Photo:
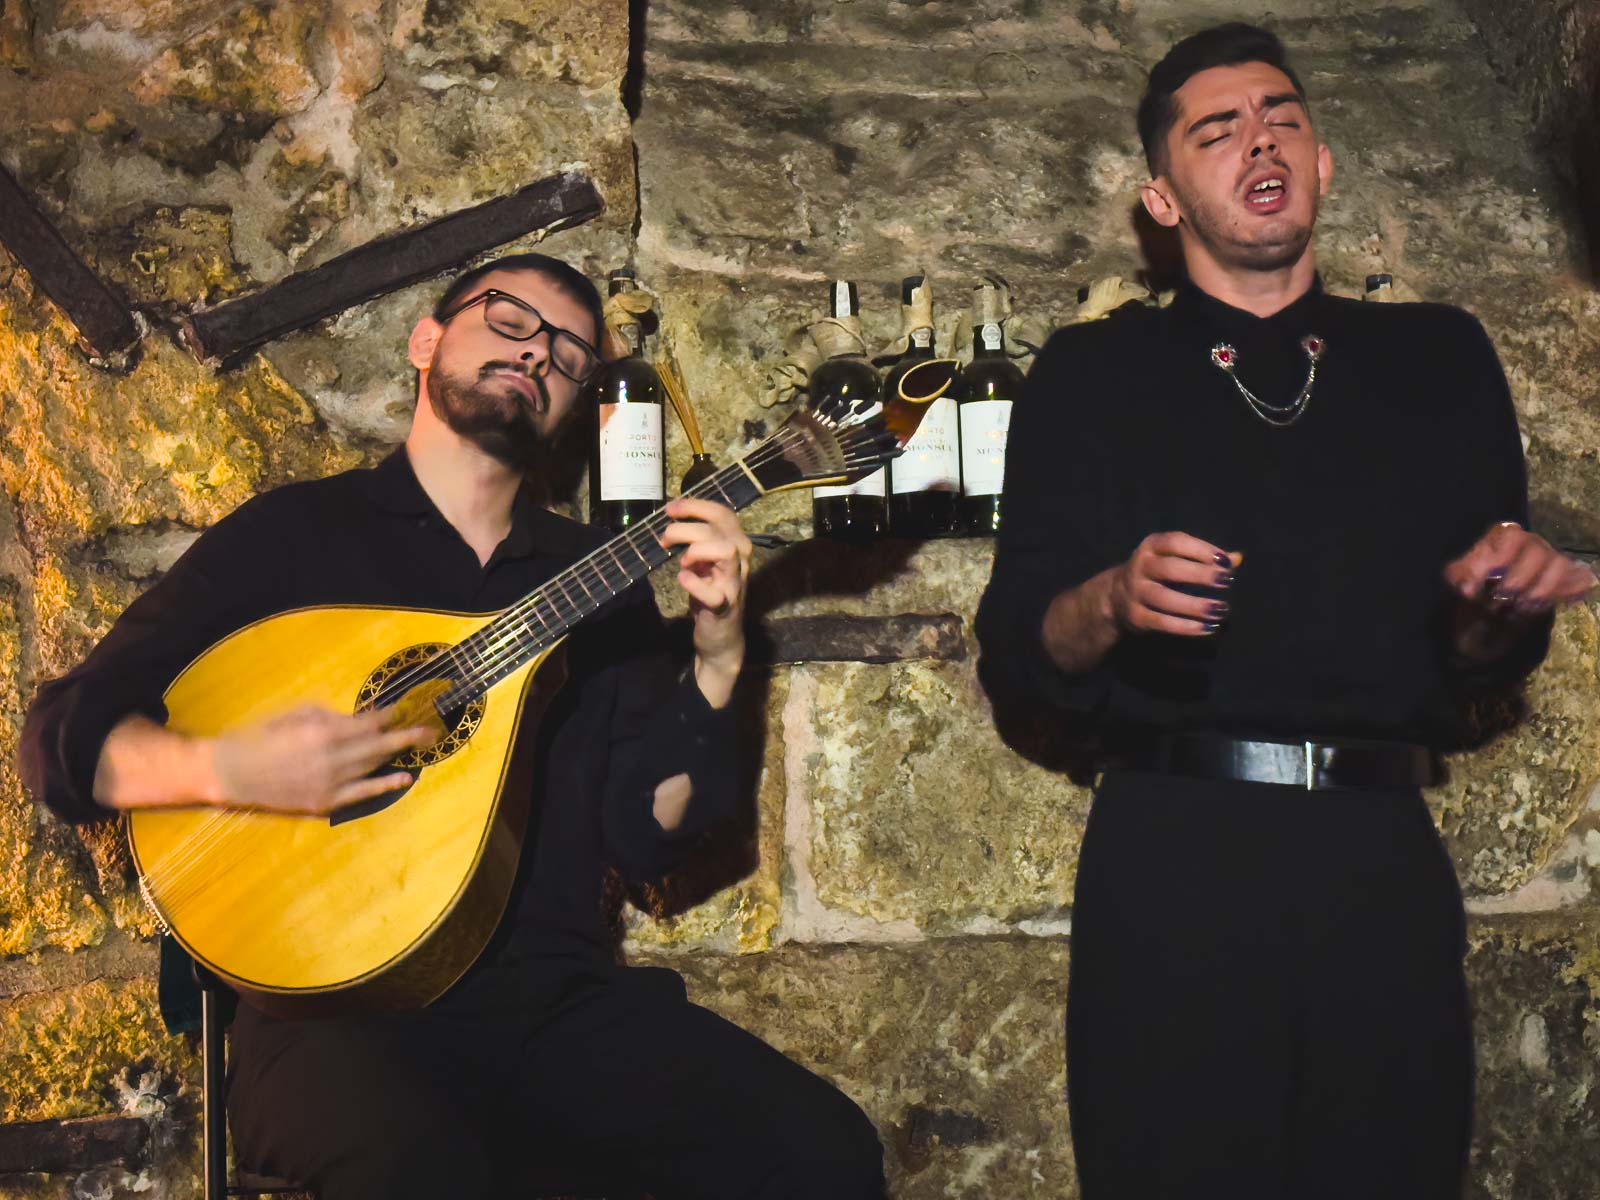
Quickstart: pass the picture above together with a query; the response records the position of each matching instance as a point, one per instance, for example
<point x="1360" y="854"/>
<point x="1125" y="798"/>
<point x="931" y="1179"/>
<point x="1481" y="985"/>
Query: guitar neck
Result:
<point x="547" y="614"/>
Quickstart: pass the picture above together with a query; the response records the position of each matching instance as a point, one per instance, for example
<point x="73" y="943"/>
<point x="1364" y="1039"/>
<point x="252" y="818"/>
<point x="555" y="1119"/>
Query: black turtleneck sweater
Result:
<point x="1407" y="453"/>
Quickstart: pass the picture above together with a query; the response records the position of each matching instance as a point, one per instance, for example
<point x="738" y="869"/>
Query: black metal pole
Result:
<point x="102" y="318"/>
<point x="224" y="333"/>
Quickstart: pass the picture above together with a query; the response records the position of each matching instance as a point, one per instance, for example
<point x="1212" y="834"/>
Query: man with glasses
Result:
<point x="546" y="1050"/>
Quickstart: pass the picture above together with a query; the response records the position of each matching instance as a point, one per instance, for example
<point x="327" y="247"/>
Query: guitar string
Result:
<point x="201" y="845"/>
<point x="505" y="643"/>
<point x="204" y="842"/>
<point x="455" y="656"/>
<point x="487" y="669"/>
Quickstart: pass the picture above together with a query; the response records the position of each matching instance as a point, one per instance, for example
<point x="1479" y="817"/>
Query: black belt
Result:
<point x="1311" y="765"/>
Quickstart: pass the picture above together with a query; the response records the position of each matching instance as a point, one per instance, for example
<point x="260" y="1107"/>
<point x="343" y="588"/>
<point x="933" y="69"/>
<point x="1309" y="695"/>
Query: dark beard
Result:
<point x="1253" y="256"/>
<point x="493" y="418"/>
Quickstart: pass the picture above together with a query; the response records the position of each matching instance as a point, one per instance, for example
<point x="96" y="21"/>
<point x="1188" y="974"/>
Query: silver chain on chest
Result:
<point x="1226" y="359"/>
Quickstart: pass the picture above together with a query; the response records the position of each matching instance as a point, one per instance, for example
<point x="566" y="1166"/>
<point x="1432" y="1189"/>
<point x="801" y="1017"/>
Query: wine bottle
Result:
<point x="989" y="386"/>
<point x="1380" y="288"/>
<point x="854" y="511"/>
<point x="925" y="481"/>
<point x="627" y="456"/>
<point x="701" y="468"/>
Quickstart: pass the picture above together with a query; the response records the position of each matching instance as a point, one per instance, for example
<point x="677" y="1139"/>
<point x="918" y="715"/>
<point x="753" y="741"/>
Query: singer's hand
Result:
<point x="1143" y="599"/>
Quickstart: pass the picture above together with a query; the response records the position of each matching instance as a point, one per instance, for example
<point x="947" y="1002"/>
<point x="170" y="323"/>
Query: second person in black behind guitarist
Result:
<point x="546" y="1049"/>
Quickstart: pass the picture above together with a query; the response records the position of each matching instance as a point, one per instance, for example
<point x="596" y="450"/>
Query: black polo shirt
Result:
<point x="627" y="717"/>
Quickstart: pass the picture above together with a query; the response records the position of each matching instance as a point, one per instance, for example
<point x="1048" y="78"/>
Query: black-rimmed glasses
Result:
<point x="520" y="321"/>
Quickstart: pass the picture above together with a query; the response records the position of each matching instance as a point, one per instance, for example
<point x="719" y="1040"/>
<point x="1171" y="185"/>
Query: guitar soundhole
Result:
<point x="460" y="725"/>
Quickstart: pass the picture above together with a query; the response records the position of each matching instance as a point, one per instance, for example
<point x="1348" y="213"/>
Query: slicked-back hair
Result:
<point x="565" y="277"/>
<point x="1220" y="46"/>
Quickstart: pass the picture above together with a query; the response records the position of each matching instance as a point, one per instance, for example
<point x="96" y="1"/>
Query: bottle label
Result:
<point x="932" y="458"/>
<point x="984" y="424"/>
<point x="631" y="460"/>
<point x="991" y="336"/>
<point x="873" y="485"/>
<point x="922" y="338"/>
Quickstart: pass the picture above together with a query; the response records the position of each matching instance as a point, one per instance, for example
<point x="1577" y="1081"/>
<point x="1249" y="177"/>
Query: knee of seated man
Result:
<point x="829" y="1138"/>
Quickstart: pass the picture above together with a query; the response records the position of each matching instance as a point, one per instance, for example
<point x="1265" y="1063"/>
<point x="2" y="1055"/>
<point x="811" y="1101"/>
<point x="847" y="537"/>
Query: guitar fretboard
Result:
<point x="545" y="615"/>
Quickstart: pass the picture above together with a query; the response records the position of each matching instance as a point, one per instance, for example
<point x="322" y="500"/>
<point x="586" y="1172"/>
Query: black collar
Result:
<point x="392" y="486"/>
<point x="1194" y="304"/>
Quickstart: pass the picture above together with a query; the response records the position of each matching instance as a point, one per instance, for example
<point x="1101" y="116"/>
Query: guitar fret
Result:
<point x="628" y="538"/>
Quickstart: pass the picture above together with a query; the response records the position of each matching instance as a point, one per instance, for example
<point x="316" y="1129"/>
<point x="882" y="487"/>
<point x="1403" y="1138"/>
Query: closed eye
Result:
<point x="1221" y="137"/>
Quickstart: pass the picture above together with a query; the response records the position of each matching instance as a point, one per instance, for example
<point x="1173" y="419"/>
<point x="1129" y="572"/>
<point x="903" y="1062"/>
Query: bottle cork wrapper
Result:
<point x="1019" y="336"/>
<point x="916" y="315"/>
<point x="1396" y="293"/>
<point x="805" y="351"/>
<point x="623" y="312"/>
<point x="1106" y="296"/>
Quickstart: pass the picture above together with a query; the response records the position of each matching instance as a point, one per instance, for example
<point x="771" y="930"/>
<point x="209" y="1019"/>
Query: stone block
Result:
<point x="563" y="44"/>
<point x="954" y="1048"/>
<point x="172" y="441"/>
<point x="1509" y="805"/>
<point x="917" y="812"/>
<point x="45" y="894"/>
<point x="1536" y="1001"/>
<point x="253" y="64"/>
<point x="87" y="1050"/>
<point x="430" y="146"/>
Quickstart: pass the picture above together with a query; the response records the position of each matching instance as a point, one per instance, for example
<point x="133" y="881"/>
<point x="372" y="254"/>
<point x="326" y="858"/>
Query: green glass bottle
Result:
<point x="925" y="481"/>
<point x="990" y="385"/>
<point x="851" y="512"/>
<point x="627" y="454"/>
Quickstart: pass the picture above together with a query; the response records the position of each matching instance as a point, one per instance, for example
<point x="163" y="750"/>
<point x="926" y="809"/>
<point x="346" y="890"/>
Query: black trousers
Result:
<point x="624" y="1080"/>
<point x="1267" y="996"/>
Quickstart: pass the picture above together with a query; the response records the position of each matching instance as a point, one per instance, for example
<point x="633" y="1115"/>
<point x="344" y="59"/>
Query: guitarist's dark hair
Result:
<point x="564" y="276"/>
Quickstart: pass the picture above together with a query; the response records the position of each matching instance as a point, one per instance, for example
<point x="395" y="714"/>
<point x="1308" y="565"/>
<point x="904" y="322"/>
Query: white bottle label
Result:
<point x="984" y="424"/>
<point x="932" y="458"/>
<point x="872" y="485"/>
<point x="631" y="461"/>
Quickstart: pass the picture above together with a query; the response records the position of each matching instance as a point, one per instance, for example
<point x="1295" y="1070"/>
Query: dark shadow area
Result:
<point x="1586" y="171"/>
<point x="803" y="569"/>
<point x="633" y="78"/>
<point x="1046" y="738"/>
<point x="1163" y="256"/>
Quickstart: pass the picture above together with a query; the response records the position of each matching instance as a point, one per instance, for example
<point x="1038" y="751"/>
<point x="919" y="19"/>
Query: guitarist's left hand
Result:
<point x="715" y="566"/>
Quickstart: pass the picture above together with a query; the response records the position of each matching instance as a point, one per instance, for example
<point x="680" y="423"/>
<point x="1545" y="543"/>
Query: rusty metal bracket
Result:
<point x="222" y="335"/>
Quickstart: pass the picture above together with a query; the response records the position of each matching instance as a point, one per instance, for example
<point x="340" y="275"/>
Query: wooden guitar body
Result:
<point x="386" y="903"/>
<point x="383" y="905"/>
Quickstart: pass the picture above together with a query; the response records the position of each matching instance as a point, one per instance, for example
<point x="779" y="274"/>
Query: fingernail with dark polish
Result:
<point x="1217" y="609"/>
<point x="1222" y="560"/>
<point x="1496" y="575"/>
<point x="1211" y="626"/>
<point x="1225" y="579"/>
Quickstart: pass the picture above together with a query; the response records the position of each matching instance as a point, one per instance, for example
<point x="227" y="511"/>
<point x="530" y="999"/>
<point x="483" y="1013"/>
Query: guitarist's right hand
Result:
<point x="310" y="761"/>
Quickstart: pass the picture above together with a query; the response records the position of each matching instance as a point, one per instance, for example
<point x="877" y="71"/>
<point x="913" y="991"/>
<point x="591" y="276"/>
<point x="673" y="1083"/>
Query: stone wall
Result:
<point x="900" y="918"/>
<point x="1549" y="52"/>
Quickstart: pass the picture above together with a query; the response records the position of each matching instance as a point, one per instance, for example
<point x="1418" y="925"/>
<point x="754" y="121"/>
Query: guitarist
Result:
<point x="533" y="1052"/>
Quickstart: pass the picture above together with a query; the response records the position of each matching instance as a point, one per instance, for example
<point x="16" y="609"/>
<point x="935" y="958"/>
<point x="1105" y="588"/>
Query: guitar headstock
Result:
<point x="833" y="441"/>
